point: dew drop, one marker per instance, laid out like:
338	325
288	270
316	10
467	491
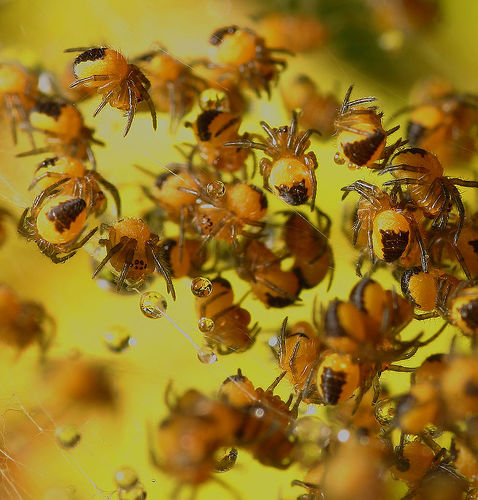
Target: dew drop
201	287
216	189
214	99
207	356
385	411
343	435
67	436
153	304
338	159
117	338
206	325
126	478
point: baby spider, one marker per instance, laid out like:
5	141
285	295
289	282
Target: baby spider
290	174
361	138
390	227
64	131
422	174
83	183
122	85
245	56
174	86
18	93
134	252
55	223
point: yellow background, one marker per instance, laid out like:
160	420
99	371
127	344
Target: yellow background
36	33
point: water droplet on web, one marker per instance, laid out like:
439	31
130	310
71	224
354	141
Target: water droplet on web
117	338
338	159
201	287
207	356
67	436
206	325
216	189
126	478
153	304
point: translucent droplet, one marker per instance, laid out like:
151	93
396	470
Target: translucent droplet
343	435
136	493
117	338
216	189
214	99
273	341
385	411
206	325
338	159
153	304
126	478
67	436
207	356
201	287
314	429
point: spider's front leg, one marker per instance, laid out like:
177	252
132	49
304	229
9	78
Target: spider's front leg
265	167
311	162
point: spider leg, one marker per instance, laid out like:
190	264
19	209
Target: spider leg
48	192
41	177
292	129
270	133
113	251
24	116
346	100
299	147
131	111
281	338
456	198
276	381
93	78
60	260
174	116
80	49
246	143
424	257
103	103
145	95
402	167
311	159
11	115
162	268
127	262
111	188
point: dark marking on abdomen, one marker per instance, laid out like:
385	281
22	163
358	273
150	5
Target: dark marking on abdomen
49	108
203	121
331	383
469	314
393	244
65	213
474	245
90	55
294	195
218	35
415	133
360	151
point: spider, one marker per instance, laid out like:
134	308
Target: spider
123	85
135	253
55	222
290	174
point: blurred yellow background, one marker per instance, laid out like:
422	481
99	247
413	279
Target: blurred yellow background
36	33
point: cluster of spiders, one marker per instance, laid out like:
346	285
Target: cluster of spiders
211	216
